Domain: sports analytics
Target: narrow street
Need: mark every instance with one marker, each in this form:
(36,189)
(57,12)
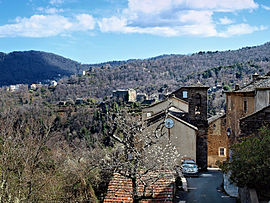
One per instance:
(204,189)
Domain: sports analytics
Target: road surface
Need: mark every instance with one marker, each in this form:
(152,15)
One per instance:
(204,189)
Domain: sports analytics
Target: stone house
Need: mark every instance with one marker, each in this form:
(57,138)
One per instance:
(252,123)
(141,97)
(242,102)
(128,95)
(218,145)
(187,110)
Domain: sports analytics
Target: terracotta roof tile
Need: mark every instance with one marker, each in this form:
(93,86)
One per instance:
(162,187)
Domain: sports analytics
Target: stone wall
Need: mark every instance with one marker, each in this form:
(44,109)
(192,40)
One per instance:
(251,124)
(248,195)
(217,138)
(197,100)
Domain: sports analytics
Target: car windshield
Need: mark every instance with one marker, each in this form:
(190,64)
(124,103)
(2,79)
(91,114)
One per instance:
(189,162)
(189,166)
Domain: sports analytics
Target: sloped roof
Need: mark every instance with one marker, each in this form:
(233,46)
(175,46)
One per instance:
(198,84)
(161,187)
(254,113)
(260,82)
(183,122)
(168,98)
(161,115)
(215,117)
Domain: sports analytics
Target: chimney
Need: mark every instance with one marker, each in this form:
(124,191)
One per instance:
(236,87)
(255,76)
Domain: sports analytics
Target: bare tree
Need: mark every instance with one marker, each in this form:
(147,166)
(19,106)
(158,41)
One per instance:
(138,154)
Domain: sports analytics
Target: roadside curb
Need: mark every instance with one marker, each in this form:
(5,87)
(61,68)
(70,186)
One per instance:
(183,179)
(213,169)
(184,183)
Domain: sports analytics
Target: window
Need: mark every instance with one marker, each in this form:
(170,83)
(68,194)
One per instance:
(222,151)
(185,95)
(198,102)
(245,106)
(214,126)
(229,103)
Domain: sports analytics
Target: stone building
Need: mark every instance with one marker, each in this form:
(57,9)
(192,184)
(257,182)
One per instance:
(141,97)
(252,123)
(128,95)
(242,102)
(196,96)
(218,146)
(187,109)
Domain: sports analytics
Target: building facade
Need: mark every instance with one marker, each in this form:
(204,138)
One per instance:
(242,102)
(187,107)
(218,146)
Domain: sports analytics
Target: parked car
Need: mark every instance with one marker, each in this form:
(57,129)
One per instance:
(188,161)
(190,169)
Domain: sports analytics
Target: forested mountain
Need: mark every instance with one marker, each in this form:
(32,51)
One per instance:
(159,74)
(34,66)
(168,72)
(202,60)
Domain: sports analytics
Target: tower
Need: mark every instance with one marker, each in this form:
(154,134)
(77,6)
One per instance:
(196,96)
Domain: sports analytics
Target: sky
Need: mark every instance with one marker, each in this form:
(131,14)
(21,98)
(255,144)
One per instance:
(94,31)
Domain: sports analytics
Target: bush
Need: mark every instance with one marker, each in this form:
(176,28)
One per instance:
(250,162)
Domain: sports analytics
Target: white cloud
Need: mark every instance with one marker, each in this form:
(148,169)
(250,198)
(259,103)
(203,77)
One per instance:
(50,10)
(47,25)
(149,6)
(113,24)
(157,17)
(221,5)
(225,21)
(186,26)
(240,29)
(85,22)
(157,6)
(55,2)
(265,7)
(178,17)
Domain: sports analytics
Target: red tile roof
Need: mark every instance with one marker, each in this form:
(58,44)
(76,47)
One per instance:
(160,184)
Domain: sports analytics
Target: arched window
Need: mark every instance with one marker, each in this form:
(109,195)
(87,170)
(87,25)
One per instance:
(198,102)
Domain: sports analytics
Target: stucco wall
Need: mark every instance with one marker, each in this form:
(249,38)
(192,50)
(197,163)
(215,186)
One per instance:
(182,136)
(132,96)
(236,111)
(261,99)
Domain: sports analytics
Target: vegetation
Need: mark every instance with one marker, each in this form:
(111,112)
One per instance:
(37,163)
(53,149)
(33,67)
(250,162)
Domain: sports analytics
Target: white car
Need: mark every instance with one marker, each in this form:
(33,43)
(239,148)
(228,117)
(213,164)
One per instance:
(190,169)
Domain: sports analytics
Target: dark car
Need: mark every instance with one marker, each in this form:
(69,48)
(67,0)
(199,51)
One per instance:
(190,169)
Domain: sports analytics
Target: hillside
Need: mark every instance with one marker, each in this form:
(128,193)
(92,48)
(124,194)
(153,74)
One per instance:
(172,71)
(165,74)
(160,74)
(34,66)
